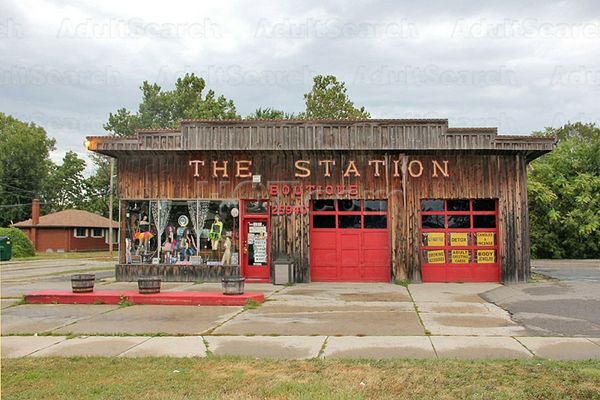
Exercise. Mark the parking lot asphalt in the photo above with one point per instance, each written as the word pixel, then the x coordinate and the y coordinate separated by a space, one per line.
pixel 569 305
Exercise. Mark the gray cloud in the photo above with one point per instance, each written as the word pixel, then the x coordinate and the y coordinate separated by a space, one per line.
pixel 519 66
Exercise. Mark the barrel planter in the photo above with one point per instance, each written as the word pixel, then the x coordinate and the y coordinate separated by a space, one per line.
pixel 149 284
pixel 233 284
pixel 83 283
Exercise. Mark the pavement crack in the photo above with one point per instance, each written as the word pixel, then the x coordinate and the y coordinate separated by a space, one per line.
pixel 323 347
pixel 433 347
pixel 522 344
pixel 425 330
pixel 135 345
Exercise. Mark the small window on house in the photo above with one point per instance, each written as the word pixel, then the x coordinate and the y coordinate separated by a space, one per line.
pixel 97 232
pixel 81 232
pixel 324 205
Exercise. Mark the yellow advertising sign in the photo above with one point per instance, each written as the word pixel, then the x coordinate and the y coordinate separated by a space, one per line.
pixel 435 256
pixel 485 238
pixel 459 239
pixel 486 256
pixel 435 238
pixel 459 256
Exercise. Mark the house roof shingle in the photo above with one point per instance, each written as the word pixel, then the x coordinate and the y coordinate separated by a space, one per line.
pixel 69 218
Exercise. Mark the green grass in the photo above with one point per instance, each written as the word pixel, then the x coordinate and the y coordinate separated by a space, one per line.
pixel 239 378
pixel 251 304
pixel 402 282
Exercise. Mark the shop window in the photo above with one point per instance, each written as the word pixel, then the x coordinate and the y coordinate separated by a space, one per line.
pixel 348 205
pixel 458 205
pixel 349 221
pixel 432 205
pixel 484 205
pixel 323 221
pixel 97 232
pixel 324 205
pixel 459 221
pixel 81 233
pixel 183 232
pixel 433 221
pixel 375 205
pixel 484 221
pixel 255 207
pixel 375 221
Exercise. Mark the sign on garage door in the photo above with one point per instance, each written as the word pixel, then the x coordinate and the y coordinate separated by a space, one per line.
pixel 459 240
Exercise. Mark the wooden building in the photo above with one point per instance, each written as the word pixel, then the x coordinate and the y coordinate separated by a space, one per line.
pixel 67 230
pixel 360 200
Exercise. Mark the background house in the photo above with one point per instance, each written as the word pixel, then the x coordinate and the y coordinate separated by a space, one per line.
pixel 68 230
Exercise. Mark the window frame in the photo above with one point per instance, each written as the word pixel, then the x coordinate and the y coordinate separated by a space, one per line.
pixel 471 246
pixel 97 236
pixel 362 213
pixel 80 236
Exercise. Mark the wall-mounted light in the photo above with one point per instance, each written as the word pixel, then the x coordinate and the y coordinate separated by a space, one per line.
pixel 87 144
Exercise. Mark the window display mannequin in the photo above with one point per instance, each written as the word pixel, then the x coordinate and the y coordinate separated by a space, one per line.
pixel 215 235
pixel 226 260
pixel 169 243
pixel 144 235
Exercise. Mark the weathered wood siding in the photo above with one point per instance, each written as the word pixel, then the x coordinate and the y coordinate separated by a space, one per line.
pixel 167 175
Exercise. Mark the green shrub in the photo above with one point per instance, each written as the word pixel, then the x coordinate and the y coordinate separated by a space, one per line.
pixel 21 245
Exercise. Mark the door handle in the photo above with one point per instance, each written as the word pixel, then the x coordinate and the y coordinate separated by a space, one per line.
pixel 245 247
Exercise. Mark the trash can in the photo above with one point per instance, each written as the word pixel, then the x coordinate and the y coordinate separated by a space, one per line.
pixel 284 271
pixel 5 248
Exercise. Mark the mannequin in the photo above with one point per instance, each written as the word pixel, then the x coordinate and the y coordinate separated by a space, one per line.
pixel 169 243
pixel 215 235
pixel 226 260
pixel 144 235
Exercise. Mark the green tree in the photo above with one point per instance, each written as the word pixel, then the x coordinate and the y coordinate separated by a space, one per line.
pixel 158 109
pixel 328 100
pixel 564 194
pixel 164 109
pixel 65 187
pixel 270 113
pixel 24 166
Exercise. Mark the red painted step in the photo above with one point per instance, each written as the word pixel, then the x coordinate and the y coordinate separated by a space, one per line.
pixel 164 298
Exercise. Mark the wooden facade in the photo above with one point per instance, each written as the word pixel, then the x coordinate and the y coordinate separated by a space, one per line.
pixel 402 161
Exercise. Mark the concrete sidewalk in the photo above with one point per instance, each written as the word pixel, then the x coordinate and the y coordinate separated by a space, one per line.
pixel 305 347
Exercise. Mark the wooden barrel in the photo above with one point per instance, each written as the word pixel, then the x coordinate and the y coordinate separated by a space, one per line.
pixel 233 284
pixel 149 284
pixel 83 283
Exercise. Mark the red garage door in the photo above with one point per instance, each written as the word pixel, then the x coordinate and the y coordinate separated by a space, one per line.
pixel 459 240
pixel 349 241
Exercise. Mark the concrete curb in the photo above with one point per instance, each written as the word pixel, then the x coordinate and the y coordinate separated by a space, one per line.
pixel 306 347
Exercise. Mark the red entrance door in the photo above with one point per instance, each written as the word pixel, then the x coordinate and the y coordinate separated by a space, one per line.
pixel 255 249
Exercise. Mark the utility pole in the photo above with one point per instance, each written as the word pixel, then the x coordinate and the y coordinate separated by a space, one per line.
pixel 110 208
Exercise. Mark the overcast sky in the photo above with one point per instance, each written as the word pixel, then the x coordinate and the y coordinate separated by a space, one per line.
pixel 519 66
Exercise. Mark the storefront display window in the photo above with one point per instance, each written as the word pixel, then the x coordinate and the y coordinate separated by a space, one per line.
pixel 459 232
pixel 199 232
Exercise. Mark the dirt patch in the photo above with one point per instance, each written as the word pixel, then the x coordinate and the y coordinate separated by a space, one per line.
pixel 382 296
pixel 468 298
pixel 304 292
pixel 479 321
pixel 456 309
